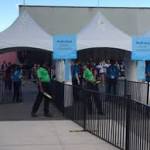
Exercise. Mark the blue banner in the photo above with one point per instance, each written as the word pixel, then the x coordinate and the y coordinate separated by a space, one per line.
pixel 140 48
pixel 141 70
pixel 140 43
pixel 64 47
pixel 140 55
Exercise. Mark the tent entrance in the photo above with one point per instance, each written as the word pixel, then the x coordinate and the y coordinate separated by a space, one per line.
pixel 99 54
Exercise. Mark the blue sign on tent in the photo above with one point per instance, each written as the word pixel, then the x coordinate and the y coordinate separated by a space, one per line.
pixel 64 47
pixel 140 48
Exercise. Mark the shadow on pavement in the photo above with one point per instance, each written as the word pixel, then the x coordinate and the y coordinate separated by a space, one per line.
pixel 22 111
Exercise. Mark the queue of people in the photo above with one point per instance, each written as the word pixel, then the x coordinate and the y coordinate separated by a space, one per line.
pixel 83 75
pixel 89 75
pixel 106 72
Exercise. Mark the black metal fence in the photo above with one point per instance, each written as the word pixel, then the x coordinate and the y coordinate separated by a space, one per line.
pixel 116 119
pixel 137 90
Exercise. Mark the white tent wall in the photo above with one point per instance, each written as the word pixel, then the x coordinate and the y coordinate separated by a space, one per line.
pixel 101 33
pixel 25 32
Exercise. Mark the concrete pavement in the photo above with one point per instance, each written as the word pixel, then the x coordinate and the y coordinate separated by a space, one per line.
pixel 47 135
pixel 19 131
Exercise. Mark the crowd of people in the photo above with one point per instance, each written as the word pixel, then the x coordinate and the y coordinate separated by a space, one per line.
pixel 13 75
pixel 90 75
pixel 85 75
pixel 106 72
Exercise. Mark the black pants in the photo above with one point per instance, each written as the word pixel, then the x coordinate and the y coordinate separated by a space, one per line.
pixel 8 84
pixel 47 88
pixel 76 91
pixel 111 86
pixel 17 91
pixel 93 98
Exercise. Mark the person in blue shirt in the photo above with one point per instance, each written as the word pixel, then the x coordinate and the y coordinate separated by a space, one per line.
pixel 16 79
pixel 112 75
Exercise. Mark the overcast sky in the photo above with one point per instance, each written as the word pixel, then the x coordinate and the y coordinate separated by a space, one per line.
pixel 9 8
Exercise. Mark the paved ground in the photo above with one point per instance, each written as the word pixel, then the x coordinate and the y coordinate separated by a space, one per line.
pixel 19 131
pixel 47 135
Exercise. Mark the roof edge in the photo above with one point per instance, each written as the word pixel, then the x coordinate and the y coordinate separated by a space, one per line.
pixel 84 7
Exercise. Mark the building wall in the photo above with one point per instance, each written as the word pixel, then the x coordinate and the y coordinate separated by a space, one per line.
pixel 60 20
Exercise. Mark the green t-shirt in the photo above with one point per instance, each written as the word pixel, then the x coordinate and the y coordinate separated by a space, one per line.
pixel 88 75
pixel 43 74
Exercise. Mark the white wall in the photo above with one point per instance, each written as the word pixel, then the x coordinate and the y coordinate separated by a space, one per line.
pixel 131 70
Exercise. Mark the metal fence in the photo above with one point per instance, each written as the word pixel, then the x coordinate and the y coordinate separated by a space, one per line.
pixel 116 119
pixel 137 90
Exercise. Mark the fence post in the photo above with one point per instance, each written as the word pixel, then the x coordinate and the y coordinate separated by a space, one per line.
pixel 128 98
pixel 84 113
pixel 147 93
pixel 125 87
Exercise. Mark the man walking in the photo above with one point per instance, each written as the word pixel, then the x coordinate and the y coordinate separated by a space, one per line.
pixel 44 85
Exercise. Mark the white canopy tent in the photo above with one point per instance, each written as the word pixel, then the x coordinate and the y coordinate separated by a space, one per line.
pixel 25 32
pixel 101 33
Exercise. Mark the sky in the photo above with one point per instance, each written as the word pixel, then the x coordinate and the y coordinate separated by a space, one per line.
pixel 9 8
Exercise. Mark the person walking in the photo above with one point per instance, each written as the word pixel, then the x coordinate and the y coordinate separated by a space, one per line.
pixel 44 85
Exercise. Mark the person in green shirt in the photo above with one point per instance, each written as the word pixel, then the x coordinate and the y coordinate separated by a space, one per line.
pixel 44 85
pixel 88 75
pixel 90 83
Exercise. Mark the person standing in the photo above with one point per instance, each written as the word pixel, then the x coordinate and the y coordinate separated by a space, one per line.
pixel 7 77
pixel 4 66
pixel 112 75
pixel 75 81
pixel 44 85
pixel 16 79
pixel 90 83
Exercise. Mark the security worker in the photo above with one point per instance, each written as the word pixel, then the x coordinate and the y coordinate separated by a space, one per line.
pixel 44 85
pixel 90 83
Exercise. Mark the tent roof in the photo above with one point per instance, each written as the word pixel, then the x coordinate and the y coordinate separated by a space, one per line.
pixel 101 33
pixel 25 32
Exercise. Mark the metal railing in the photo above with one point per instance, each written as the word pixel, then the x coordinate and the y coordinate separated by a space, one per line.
pixel 116 119
pixel 137 90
